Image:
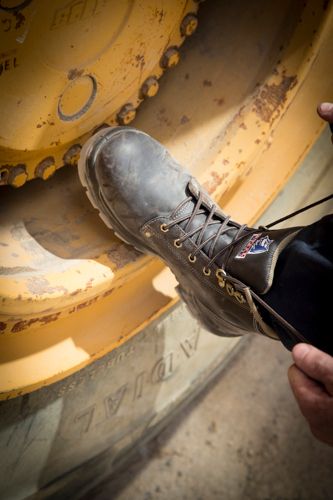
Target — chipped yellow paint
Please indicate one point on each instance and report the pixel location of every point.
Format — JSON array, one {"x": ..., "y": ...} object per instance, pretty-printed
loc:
[
  {"x": 241, "y": 120},
  {"x": 67, "y": 67}
]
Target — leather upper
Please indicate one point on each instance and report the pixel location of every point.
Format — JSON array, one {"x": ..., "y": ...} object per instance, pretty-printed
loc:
[{"x": 152, "y": 203}]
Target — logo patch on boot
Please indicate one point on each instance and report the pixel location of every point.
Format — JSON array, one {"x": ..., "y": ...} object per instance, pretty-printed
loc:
[{"x": 256, "y": 244}]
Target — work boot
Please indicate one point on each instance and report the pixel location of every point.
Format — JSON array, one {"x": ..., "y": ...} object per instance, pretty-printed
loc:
[{"x": 224, "y": 269}]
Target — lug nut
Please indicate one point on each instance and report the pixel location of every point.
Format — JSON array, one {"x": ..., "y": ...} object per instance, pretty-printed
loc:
[
  {"x": 45, "y": 168},
  {"x": 189, "y": 25},
  {"x": 170, "y": 57},
  {"x": 126, "y": 114},
  {"x": 71, "y": 157},
  {"x": 17, "y": 176},
  {"x": 149, "y": 87}
]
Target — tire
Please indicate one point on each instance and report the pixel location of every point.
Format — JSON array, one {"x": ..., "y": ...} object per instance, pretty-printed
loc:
[{"x": 62, "y": 440}]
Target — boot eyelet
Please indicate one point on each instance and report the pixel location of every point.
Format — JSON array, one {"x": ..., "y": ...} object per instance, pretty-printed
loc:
[
  {"x": 177, "y": 243},
  {"x": 221, "y": 282},
  {"x": 239, "y": 297},
  {"x": 206, "y": 271},
  {"x": 192, "y": 258},
  {"x": 220, "y": 273},
  {"x": 163, "y": 228},
  {"x": 230, "y": 289}
]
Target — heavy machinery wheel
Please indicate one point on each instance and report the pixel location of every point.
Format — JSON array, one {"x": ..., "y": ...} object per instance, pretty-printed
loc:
[{"x": 95, "y": 352}]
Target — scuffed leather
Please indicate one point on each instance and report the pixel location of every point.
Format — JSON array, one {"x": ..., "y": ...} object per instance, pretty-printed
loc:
[{"x": 138, "y": 186}]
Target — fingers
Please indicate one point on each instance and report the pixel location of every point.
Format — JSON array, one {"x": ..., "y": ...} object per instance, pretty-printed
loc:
[
  {"x": 306, "y": 390},
  {"x": 315, "y": 404},
  {"x": 315, "y": 363},
  {"x": 325, "y": 111}
]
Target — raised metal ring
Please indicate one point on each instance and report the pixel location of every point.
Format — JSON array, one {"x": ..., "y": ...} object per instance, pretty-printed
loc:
[
  {"x": 221, "y": 282},
  {"x": 164, "y": 228},
  {"x": 240, "y": 297},
  {"x": 220, "y": 273},
  {"x": 192, "y": 258},
  {"x": 177, "y": 243},
  {"x": 230, "y": 289}
]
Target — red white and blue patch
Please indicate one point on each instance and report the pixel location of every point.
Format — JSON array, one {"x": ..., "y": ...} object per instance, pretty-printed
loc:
[{"x": 257, "y": 244}]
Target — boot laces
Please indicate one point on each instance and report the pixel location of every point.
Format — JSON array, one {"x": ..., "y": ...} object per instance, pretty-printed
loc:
[{"x": 224, "y": 224}]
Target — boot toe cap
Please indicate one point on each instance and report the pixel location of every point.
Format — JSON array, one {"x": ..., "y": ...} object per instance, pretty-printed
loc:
[{"x": 136, "y": 171}]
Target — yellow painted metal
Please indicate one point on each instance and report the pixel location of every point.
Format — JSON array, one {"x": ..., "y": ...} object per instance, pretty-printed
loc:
[
  {"x": 68, "y": 66},
  {"x": 241, "y": 119}
]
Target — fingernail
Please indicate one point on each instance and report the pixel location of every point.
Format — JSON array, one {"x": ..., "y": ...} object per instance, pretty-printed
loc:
[
  {"x": 326, "y": 107},
  {"x": 300, "y": 351}
]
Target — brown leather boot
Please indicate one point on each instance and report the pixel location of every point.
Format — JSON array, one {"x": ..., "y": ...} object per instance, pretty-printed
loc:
[{"x": 223, "y": 268}]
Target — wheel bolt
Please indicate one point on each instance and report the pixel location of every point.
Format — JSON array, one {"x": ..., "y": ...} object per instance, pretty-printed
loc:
[
  {"x": 189, "y": 25},
  {"x": 45, "y": 168},
  {"x": 126, "y": 114},
  {"x": 72, "y": 155},
  {"x": 17, "y": 176},
  {"x": 149, "y": 87},
  {"x": 170, "y": 57}
]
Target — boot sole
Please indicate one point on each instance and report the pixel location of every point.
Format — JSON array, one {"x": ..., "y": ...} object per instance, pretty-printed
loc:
[{"x": 88, "y": 153}]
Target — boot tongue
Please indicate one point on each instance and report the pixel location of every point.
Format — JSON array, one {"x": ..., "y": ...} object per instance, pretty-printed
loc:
[{"x": 254, "y": 258}]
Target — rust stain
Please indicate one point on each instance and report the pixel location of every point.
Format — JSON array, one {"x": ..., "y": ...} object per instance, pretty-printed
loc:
[
  {"x": 207, "y": 83},
  {"x": 159, "y": 13},
  {"x": 243, "y": 126},
  {"x": 109, "y": 292},
  {"x": 19, "y": 19},
  {"x": 219, "y": 101},
  {"x": 216, "y": 181},
  {"x": 22, "y": 325},
  {"x": 140, "y": 61},
  {"x": 89, "y": 284},
  {"x": 184, "y": 119},
  {"x": 273, "y": 96},
  {"x": 87, "y": 303},
  {"x": 74, "y": 73}
]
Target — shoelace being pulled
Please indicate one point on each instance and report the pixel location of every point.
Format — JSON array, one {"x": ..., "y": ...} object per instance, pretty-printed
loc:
[{"x": 225, "y": 225}]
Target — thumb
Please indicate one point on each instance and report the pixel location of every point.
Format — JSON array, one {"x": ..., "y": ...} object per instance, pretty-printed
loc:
[{"x": 315, "y": 363}]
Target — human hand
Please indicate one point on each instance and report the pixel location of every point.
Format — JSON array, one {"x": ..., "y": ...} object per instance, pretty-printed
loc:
[
  {"x": 325, "y": 111},
  {"x": 311, "y": 379}
]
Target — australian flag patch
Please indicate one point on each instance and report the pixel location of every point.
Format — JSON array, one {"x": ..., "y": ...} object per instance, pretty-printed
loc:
[{"x": 256, "y": 244}]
